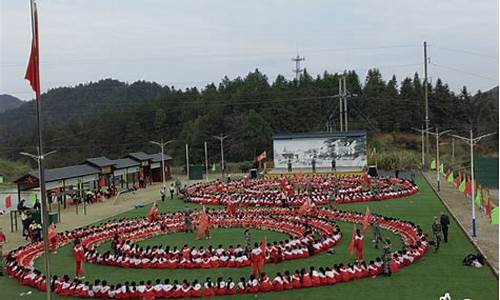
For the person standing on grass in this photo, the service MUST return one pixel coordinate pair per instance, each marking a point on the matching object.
(162, 193)
(79, 256)
(436, 232)
(172, 191)
(445, 222)
(359, 241)
(177, 185)
(386, 257)
(377, 235)
(332, 199)
(248, 239)
(188, 221)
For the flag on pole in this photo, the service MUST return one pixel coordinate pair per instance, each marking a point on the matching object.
(33, 69)
(488, 208)
(433, 164)
(441, 168)
(367, 219)
(468, 187)
(461, 187)
(447, 174)
(494, 216)
(450, 177)
(478, 198)
(8, 201)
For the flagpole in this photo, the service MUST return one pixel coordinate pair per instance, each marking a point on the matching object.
(41, 177)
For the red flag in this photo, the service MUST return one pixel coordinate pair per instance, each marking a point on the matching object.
(367, 219)
(262, 156)
(153, 213)
(352, 244)
(468, 187)
(8, 201)
(33, 69)
(488, 208)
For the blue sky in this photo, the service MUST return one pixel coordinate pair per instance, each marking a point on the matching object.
(194, 42)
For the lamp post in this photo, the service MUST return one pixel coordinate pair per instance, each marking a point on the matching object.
(422, 131)
(472, 141)
(221, 138)
(162, 146)
(438, 134)
(206, 161)
(45, 218)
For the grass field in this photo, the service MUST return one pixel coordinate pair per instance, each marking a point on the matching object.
(427, 279)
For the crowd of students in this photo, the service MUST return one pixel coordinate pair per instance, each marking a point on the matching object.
(310, 232)
(308, 236)
(283, 192)
(20, 266)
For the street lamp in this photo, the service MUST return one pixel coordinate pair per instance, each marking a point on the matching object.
(422, 131)
(162, 146)
(472, 141)
(437, 134)
(221, 138)
(45, 219)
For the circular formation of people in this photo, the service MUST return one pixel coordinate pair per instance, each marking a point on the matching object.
(303, 207)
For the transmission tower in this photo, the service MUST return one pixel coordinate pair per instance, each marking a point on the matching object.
(298, 70)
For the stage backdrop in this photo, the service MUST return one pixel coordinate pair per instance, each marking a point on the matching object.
(348, 149)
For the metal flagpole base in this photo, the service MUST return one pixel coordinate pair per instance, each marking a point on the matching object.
(474, 235)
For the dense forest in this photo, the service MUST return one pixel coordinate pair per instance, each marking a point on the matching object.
(113, 118)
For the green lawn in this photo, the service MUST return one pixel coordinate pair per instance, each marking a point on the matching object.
(427, 279)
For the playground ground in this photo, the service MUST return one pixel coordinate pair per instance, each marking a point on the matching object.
(429, 278)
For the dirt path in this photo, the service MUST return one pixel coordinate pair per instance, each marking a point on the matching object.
(460, 207)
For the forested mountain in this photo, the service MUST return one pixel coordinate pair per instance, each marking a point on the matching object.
(113, 118)
(9, 102)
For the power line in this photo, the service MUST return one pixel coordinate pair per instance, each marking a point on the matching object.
(465, 52)
(465, 72)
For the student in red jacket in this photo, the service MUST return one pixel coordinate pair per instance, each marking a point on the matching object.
(79, 256)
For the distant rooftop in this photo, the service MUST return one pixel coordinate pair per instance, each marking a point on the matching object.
(319, 135)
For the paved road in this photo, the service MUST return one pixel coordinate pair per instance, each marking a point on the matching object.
(461, 208)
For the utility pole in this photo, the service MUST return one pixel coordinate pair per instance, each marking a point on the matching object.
(426, 95)
(341, 106)
(472, 141)
(345, 104)
(162, 146)
(187, 161)
(437, 135)
(221, 138)
(297, 69)
(206, 161)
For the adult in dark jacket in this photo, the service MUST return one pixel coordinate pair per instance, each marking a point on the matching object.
(445, 222)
